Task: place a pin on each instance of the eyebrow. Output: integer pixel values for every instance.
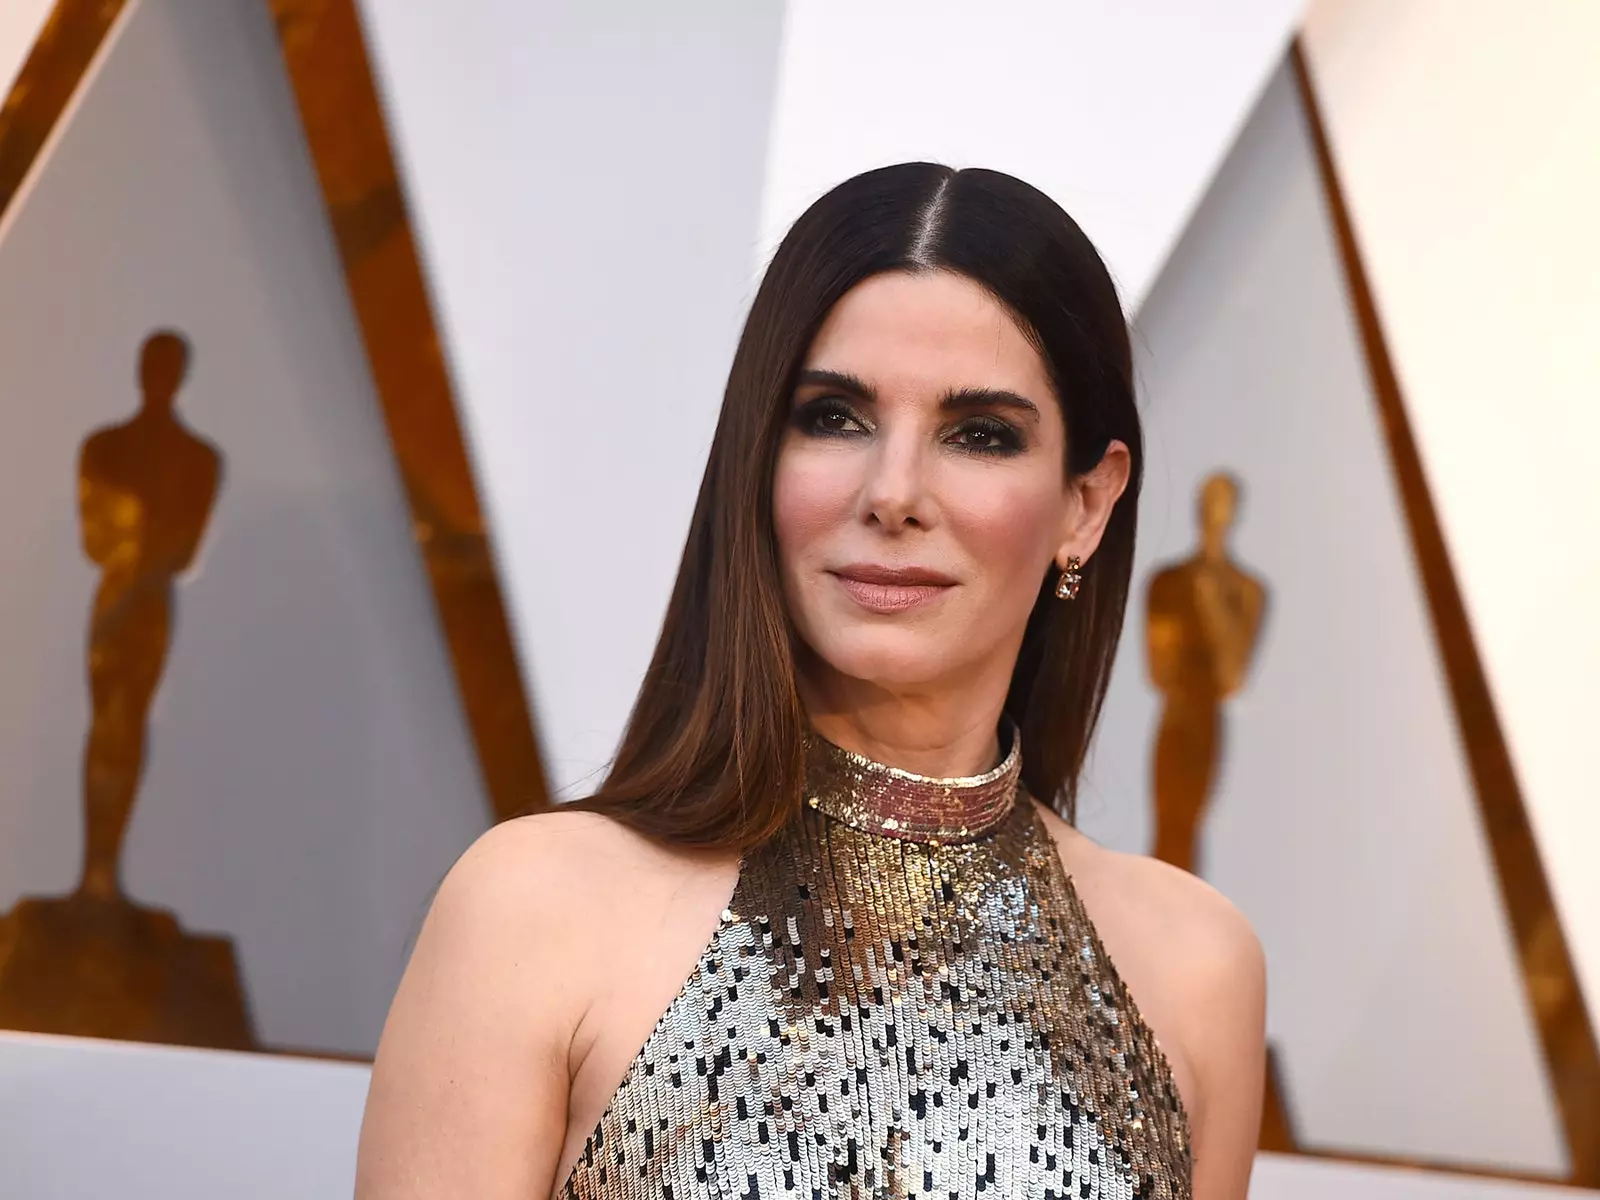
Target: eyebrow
(958, 400)
(965, 399)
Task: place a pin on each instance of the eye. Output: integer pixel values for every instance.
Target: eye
(829, 416)
(987, 435)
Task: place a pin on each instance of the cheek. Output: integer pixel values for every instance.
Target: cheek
(1010, 528)
(813, 494)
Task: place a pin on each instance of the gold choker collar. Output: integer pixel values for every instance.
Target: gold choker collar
(886, 800)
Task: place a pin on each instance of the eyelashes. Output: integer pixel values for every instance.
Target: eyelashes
(980, 434)
(988, 435)
(829, 416)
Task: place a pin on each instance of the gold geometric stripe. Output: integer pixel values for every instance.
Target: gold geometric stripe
(1566, 1035)
(65, 47)
(327, 63)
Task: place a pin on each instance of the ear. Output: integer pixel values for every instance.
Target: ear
(1092, 497)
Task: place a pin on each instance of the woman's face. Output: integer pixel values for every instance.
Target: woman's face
(920, 495)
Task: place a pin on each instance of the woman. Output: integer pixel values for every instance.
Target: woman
(830, 885)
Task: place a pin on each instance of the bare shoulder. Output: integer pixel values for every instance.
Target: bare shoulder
(1188, 956)
(552, 859)
(505, 933)
(470, 1088)
(1179, 914)
(557, 881)
(532, 877)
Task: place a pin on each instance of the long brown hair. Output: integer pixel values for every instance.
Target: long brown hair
(712, 754)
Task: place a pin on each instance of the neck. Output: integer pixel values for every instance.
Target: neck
(943, 733)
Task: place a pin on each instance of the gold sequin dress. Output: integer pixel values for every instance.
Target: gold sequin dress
(904, 998)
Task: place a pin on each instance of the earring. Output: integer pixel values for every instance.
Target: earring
(1071, 577)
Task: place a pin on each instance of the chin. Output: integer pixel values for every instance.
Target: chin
(886, 657)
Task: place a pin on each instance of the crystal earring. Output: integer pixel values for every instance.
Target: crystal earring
(1071, 577)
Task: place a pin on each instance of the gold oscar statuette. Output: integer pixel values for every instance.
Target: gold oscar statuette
(1203, 622)
(94, 962)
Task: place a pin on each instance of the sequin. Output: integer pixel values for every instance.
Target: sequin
(905, 998)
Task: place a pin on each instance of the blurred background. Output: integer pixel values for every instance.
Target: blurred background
(358, 361)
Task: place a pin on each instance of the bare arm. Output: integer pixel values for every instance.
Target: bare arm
(469, 1091)
(1225, 1026)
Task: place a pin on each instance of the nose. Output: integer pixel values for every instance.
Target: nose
(894, 495)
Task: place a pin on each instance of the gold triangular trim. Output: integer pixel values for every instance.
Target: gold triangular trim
(328, 68)
(66, 46)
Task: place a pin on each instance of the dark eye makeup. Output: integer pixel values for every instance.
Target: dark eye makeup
(987, 435)
(981, 433)
(829, 416)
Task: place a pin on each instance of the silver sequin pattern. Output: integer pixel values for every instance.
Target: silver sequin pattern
(884, 1016)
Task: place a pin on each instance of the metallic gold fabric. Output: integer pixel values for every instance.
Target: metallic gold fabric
(925, 1011)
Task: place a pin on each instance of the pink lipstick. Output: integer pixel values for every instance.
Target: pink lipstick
(883, 589)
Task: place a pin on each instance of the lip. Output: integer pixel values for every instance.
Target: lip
(884, 589)
(893, 576)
